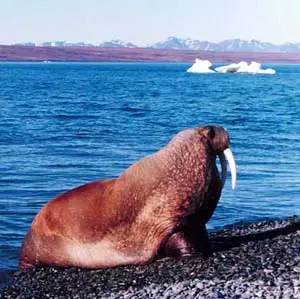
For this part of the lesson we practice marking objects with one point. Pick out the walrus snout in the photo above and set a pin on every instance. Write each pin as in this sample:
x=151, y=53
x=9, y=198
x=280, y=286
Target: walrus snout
x=218, y=138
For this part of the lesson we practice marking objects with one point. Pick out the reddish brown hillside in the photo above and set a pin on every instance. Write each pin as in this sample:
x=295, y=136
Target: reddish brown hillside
x=25, y=53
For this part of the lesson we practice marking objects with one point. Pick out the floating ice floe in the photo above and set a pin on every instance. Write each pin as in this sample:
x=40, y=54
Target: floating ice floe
x=201, y=66
x=244, y=67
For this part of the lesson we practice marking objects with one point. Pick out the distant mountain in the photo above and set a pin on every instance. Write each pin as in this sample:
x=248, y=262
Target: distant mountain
x=290, y=47
x=116, y=43
x=170, y=43
x=230, y=45
x=54, y=44
x=240, y=45
x=184, y=44
x=175, y=43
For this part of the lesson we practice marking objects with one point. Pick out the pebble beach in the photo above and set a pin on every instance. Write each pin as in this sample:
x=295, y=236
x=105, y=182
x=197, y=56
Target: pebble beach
x=253, y=260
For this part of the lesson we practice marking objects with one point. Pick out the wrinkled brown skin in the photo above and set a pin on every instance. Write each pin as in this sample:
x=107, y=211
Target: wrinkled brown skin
x=158, y=207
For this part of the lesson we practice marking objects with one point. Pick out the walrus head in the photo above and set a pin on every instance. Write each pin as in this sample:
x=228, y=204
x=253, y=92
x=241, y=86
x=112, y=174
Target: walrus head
x=219, y=142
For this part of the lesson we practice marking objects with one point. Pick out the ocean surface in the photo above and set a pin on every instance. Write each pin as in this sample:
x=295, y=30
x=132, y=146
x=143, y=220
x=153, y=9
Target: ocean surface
x=65, y=124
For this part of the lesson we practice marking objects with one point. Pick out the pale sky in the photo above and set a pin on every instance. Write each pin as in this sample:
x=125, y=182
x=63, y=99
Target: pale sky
x=146, y=21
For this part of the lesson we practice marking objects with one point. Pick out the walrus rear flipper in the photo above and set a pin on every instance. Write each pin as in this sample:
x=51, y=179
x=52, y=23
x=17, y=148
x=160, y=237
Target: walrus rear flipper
x=42, y=250
x=28, y=257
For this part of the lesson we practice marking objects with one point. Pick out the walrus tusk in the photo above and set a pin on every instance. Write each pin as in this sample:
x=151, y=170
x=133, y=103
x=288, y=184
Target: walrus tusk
x=229, y=157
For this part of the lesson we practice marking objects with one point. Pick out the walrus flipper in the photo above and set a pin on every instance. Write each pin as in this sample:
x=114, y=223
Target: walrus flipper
x=188, y=242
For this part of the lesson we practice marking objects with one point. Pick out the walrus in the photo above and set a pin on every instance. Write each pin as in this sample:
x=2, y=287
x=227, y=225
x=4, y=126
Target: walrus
x=157, y=207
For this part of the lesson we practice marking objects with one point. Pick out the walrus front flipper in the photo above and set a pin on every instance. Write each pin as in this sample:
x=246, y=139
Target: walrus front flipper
x=188, y=242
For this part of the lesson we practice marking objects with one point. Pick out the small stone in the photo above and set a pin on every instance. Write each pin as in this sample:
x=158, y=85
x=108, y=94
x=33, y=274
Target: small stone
x=200, y=285
x=296, y=269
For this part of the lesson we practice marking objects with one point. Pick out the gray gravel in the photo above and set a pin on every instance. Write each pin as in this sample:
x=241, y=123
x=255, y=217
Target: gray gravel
x=257, y=260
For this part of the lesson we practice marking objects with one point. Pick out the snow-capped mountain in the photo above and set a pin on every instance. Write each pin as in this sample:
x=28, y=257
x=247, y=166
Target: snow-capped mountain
x=55, y=44
x=240, y=45
x=170, y=43
x=184, y=44
x=201, y=45
x=229, y=45
x=116, y=43
x=290, y=47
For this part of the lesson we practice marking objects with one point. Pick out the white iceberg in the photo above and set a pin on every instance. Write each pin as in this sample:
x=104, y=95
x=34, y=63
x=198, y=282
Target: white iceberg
x=268, y=71
x=244, y=67
x=201, y=66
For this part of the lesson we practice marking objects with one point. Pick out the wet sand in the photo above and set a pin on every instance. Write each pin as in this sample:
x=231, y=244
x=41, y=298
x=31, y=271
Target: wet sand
x=255, y=260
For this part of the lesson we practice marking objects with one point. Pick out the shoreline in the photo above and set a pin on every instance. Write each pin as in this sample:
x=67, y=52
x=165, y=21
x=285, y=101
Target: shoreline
x=129, y=62
x=259, y=259
x=98, y=54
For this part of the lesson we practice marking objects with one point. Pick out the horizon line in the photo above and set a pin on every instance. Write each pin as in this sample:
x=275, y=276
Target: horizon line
x=40, y=42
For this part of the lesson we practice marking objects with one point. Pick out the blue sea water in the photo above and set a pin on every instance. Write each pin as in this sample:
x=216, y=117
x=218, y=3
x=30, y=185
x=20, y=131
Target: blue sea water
x=64, y=124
